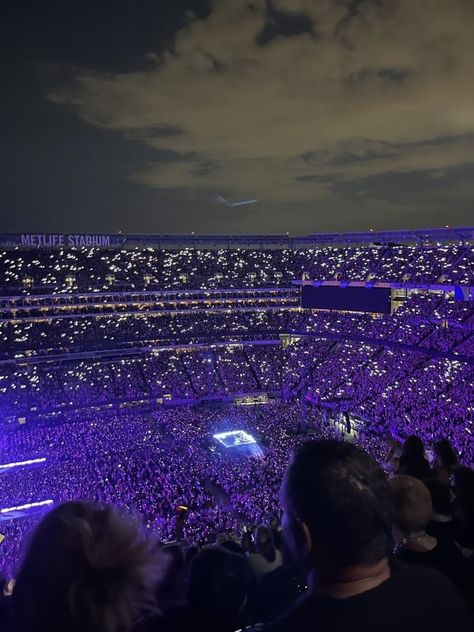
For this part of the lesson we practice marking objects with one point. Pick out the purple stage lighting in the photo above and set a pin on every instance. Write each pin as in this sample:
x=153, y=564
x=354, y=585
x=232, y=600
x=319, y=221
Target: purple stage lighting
x=38, y=503
x=8, y=466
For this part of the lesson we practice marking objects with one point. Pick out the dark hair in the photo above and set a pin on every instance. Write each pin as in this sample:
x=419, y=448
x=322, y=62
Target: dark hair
x=464, y=487
x=87, y=568
x=191, y=552
x=341, y=494
x=264, y=543
x=446, y=454
x=440, y=497
x=172, y=589
x=232, y=546
x=219, y=582
x=413, y=448
x=412, y=459
x=174, y=552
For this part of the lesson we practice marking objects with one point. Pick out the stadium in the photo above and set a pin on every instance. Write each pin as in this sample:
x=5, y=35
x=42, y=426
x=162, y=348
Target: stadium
x=237, y=316
x=122, y=359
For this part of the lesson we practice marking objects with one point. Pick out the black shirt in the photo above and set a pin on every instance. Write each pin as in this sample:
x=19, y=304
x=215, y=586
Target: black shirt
x=278, y=591
x=442, y=530
x=445, y=557
x=413, y=599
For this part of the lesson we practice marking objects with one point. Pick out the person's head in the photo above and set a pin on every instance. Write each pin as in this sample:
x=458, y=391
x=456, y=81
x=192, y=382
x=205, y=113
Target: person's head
x=86, y=568
x=274, y=523
x=441, y=497
x=445, y=456
x=234, y=547
x=410, y=505
x=413, y=449
x=219, y=583
x=232, y=535
x=191, y=552
x=174, y=573
x=222, y=537
x=264, y=543
x=336, y=512
x=247, y=542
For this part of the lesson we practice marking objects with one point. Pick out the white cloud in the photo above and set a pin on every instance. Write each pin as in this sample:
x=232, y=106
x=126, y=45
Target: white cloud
x=396, y=74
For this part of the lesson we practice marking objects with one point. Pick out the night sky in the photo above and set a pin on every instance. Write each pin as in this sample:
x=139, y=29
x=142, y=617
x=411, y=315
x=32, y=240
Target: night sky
x=336, y=115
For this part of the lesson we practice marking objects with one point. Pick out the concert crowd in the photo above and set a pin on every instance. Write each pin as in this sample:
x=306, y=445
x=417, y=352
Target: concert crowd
x=120, y=511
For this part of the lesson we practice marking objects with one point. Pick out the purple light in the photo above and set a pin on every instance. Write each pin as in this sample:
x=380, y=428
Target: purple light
x=38, y=503
x=7, y=466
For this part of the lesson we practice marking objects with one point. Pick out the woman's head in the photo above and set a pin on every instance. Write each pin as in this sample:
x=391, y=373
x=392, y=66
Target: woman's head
x=264, y=542
x=445, y=455
x=413, y=448
x=86, y=568
x=219, y=583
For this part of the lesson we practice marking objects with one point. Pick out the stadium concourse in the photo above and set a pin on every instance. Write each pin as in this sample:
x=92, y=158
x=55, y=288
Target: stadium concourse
x=121, y=357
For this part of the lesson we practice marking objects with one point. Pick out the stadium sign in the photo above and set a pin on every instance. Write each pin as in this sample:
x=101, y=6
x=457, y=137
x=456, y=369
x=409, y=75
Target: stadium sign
x=218, y=242
x=39, y=240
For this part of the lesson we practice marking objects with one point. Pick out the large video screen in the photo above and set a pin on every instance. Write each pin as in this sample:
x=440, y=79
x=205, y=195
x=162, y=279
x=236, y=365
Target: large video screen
x=355, y=299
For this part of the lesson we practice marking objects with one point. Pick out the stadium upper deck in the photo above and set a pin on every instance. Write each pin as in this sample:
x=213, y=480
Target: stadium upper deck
x=120, y=320
x=58, y=263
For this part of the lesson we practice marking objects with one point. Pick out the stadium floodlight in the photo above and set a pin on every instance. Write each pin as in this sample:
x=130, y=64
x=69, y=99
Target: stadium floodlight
x=38, y=503
x=233, y=438
x=9, y=466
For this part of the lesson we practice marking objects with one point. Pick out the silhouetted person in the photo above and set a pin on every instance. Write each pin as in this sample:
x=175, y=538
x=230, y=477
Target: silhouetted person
x=411, y=510
x=464, y=506
x=267, y=557
x=441, y=524
x=276, y=531
x=336, y=523
x=171, y=591
x=412, y=459
x=446, y=460
x=219, y=586
x=279, y=590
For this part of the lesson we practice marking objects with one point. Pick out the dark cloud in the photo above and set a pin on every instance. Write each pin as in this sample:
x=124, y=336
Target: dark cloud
x=283, y=24
x=333, y=105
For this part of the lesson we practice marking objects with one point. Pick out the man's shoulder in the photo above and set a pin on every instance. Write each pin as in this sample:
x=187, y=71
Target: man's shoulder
x=415, y=597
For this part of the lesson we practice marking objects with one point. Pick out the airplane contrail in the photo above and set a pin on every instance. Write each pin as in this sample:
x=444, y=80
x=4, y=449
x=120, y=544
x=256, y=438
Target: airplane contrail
x=222, y=200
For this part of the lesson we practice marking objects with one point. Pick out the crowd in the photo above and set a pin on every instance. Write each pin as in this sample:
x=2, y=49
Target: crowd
x=425, y=320
x=91, y=269
x=357, y=546
x=392, y=380
x=206, y=550
x=113, y=331
x=117, y=458
x=156, y=461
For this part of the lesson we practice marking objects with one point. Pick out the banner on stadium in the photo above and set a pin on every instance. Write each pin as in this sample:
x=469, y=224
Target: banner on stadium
x=45, y=240
x=179, y=241
x=60, y=240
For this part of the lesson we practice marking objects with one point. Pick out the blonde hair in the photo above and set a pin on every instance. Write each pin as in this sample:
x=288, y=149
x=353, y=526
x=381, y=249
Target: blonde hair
x=411, y=505
x=87, y=568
